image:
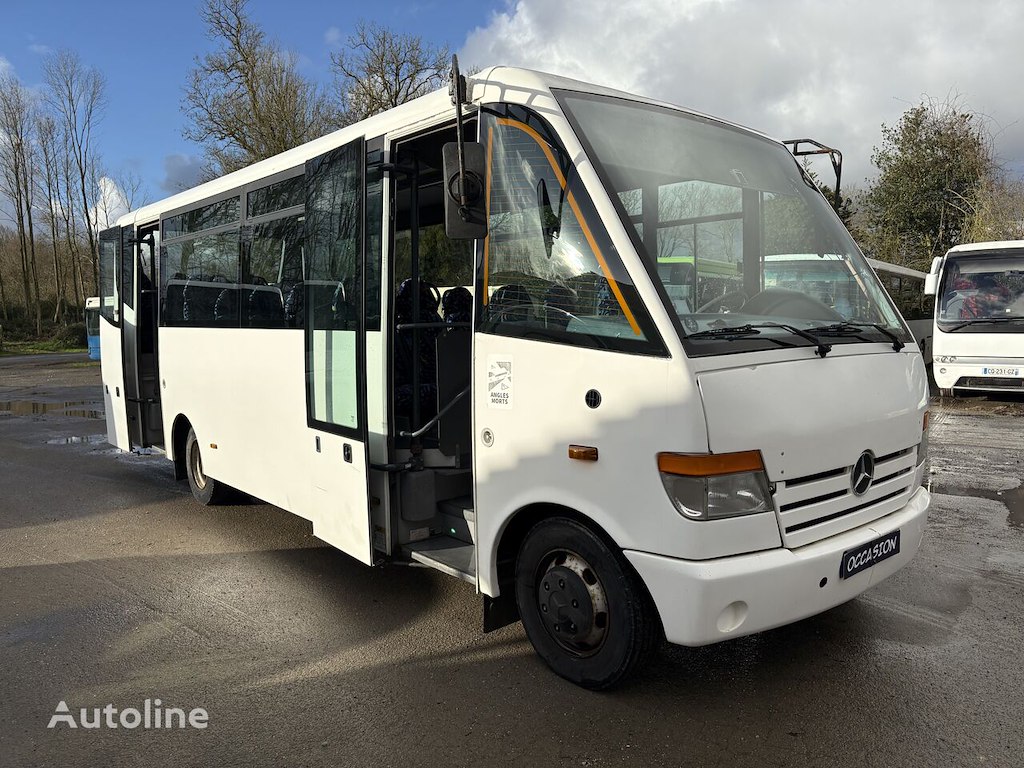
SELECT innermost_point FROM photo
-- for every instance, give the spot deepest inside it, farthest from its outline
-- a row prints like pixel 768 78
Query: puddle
pixel 1013 499
pixel 102 440
pixel 79 409
pixel 86 440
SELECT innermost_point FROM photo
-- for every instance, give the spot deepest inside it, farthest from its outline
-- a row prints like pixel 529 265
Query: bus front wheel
pixel 206 490
pixel 585 610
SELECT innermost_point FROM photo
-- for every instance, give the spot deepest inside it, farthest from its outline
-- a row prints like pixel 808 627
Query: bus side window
pixel 552 272
pixel 200 276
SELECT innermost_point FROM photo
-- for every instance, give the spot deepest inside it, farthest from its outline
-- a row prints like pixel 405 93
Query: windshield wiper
pixel 731 332
pixel 983 320
pixel 854 328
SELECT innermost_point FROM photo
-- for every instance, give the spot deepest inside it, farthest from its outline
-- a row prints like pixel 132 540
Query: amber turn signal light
pixel 707 464
pixel 583 452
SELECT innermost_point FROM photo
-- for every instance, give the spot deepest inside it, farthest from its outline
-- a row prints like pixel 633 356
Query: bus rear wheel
pixel 585 610
pixel 206 490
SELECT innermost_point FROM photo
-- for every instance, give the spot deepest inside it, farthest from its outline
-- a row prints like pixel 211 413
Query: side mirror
pixel 931 283
pixel 936 265
pixel 465 206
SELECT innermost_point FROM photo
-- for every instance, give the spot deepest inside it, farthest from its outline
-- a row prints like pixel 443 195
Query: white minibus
pixel 978 343
pixel 453 333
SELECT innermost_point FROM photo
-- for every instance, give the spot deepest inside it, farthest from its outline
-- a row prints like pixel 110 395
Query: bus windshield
pixel 987 288
pixel 735 233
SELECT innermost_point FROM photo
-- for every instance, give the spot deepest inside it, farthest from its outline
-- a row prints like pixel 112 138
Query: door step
pixel 458 519
pixel 448 555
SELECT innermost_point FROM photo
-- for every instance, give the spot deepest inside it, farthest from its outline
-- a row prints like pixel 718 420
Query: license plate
pixel 866 555
pixel 1000 371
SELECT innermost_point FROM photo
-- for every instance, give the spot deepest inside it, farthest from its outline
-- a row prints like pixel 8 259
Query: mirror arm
pixel 458 94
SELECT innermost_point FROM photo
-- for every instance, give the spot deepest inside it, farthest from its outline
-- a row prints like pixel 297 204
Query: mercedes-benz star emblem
pixel 863 474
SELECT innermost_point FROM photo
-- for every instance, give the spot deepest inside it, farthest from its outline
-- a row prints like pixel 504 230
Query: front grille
pixel 841 512
pixel 990 382
pixel 823 504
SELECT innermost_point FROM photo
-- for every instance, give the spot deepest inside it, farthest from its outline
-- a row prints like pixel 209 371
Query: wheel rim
pixel 572 603
pixel 195 461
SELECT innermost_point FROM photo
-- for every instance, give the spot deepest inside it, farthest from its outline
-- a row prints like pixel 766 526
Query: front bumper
pixel 704 602
pixel 975 374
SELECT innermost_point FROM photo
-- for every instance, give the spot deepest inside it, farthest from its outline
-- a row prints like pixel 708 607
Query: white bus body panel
pixel 974 353
pixel 112 371
pixel 253 409
pixel 817 414
pixel 648 405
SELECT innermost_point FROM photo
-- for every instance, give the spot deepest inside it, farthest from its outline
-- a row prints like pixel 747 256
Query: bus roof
pixel 993 245
pixel 491 85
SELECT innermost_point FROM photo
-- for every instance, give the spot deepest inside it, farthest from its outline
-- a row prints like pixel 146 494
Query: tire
pixel 206 490
pixel 584 608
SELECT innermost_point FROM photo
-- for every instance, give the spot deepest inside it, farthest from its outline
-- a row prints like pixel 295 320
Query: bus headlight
pixel 715 486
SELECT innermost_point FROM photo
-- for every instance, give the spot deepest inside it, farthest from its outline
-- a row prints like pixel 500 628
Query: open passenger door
pixel 112 348
pixel 335 349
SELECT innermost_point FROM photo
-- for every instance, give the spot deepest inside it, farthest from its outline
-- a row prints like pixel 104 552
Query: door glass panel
pixel 374 231
pixel 109 298
pixel 333 300
pixel 128 266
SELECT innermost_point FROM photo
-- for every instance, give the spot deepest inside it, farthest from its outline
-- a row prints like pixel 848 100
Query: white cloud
pixel 829 71
pixel 111 205
pixel 40 49
pixel 5 66
pixel 333 37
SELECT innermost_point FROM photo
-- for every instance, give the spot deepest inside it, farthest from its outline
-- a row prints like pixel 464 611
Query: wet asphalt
pixel 116 587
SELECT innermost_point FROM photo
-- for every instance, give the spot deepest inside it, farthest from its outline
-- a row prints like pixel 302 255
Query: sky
pixel 833 71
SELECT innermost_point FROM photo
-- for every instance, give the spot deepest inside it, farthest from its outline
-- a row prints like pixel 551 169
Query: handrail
pixel 438 324
pixel 437 418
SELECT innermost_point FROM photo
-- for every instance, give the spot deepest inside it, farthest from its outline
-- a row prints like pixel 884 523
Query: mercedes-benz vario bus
pixel 978 343
pixel 446 334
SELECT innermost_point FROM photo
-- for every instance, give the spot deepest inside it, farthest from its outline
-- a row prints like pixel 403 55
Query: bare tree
pixel 996 210
pixel 17 160
pixel 4 236
pixel 49 142
pixel 383 69
pixel 68 208
pixel 75 93
pixel 131 187
pixel 247 100
pixel 12 137
pixel 109 205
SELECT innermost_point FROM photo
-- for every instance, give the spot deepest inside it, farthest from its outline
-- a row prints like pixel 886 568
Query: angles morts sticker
pixel 499 382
